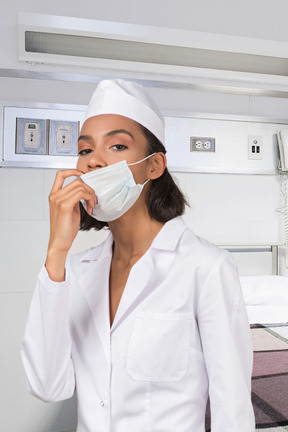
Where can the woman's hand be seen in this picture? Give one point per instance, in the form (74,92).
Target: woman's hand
(65,219)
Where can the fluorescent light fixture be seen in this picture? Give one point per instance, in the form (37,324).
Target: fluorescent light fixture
(141,52)
(146,49)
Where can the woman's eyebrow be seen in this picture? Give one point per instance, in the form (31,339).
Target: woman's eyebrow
(119,131)
(85,138)
(108,134)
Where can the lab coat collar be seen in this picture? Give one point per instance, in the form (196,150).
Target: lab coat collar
(102,251)
(168,237)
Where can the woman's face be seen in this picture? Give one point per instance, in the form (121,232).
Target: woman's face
(107,139)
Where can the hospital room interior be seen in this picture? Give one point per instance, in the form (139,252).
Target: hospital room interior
(219,73)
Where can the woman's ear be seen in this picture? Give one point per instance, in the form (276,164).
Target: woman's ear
(157,165)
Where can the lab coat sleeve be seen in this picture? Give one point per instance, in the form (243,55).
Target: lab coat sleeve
(227,347)
(46,346)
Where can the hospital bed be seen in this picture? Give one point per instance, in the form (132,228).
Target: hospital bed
(266,299)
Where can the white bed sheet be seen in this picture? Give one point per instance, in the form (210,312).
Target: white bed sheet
(266,298)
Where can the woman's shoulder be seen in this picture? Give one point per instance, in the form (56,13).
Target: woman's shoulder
(203,248)
(186,238)
(200,248)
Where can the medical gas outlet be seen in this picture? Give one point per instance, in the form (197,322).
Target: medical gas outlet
(31,136)
(203,144)
(63,137)
(46,137)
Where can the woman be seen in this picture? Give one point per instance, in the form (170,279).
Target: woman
(151,322)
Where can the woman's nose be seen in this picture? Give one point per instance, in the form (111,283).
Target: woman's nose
(95,161)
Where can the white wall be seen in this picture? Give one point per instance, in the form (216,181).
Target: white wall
(224,207)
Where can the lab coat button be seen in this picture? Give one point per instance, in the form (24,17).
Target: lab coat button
(102,403)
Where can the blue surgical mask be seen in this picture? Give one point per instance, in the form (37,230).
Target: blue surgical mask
(115,189)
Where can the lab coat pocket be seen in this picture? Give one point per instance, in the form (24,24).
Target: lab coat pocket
(159,346)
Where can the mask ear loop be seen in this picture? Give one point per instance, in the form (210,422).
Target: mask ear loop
(143,184)
(147,157)
(135,163)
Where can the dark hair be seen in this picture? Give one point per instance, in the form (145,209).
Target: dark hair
(165,200)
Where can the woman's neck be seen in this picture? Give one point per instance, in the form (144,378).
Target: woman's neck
(133,234)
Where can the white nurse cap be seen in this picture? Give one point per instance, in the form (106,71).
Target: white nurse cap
(128,99)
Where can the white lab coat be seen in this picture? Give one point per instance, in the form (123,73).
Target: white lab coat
(180,329)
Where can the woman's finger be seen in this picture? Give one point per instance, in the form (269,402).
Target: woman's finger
(61,176)
(86,193)
(68,198)
(73,185)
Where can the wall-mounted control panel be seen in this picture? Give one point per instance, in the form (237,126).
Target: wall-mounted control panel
(45,135)
(40,136)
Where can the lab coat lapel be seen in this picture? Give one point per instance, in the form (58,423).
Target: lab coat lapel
(95,281)
(95,286)
(135,286)
(142,271)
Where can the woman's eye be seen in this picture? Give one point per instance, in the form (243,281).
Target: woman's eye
(84,152)
(119,147)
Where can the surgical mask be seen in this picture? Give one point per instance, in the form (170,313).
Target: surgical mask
(115,189)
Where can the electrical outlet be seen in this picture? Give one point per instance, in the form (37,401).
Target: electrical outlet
(203,144)
(255,147)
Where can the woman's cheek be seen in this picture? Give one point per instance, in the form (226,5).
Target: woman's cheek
(79,165)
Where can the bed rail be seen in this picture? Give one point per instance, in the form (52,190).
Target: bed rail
(273,248)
